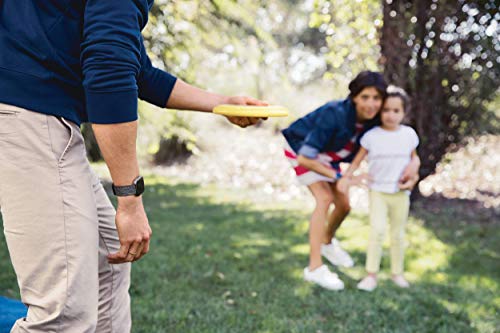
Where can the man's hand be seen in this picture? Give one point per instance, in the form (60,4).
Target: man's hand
(242,100)
(187,97)
(117,143)
(133,230)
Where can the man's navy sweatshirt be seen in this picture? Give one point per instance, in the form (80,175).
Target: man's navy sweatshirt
(83,60)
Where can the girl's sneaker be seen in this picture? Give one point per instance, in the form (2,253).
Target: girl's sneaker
(336,254)
(369,283)
(400,281)
(323,277)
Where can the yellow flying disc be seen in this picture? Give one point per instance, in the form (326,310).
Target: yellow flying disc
(251,111)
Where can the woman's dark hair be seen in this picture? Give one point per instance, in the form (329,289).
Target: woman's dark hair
(393,91)
(367,79)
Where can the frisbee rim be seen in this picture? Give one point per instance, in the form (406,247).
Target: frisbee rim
(259,111)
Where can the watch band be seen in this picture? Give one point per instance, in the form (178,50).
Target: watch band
(136,189)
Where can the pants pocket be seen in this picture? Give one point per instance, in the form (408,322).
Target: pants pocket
(61,136)
(7,120)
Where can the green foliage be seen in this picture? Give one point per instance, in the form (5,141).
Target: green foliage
(188,38)
(165,134)
(302,53)
(259,48)
(182,33)
(350,30)
(266,44)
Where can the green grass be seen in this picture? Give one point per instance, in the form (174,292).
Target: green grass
(223,266)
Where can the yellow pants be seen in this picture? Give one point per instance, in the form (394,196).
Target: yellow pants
(394,207)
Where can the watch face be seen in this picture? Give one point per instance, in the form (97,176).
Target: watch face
(139,186)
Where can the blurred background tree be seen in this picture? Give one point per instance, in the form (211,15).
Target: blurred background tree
(181,36)
(446,54)
(349,29)
(302,53)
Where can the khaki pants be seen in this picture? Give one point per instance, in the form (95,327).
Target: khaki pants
(394,206)
(59,227)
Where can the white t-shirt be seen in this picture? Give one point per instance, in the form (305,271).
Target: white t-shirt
(389,152)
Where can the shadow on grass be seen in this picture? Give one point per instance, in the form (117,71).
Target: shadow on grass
(457,210)
(471,229)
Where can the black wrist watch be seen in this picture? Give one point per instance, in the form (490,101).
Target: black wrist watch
(136,189)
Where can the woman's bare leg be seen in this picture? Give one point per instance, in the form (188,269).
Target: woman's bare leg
(323,196)
(342,209)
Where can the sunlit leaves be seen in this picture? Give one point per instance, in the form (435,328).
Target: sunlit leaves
(351,34)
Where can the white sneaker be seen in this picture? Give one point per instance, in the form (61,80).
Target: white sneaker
(400,281)
(336,254)
(369,283)
(323,277)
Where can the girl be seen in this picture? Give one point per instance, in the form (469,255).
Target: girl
(390,147)
(316,144)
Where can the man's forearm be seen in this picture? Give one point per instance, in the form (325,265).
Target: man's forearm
(187,97)
(118,146)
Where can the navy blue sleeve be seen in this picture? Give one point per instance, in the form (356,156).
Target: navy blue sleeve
(110,56)
(324,127)
(155,85)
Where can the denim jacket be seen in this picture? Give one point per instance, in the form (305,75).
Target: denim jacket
(327,129)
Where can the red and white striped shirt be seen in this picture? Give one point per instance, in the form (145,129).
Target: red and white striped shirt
(330,159)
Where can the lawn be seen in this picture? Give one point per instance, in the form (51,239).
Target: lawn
(224,265)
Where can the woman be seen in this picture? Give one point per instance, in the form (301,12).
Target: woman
(316,144)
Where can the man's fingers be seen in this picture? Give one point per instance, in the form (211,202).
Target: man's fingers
(254,121)
(134,251)
(239,121)
(242,122)
(139,253)
(122,254)
(145,250)
(253,101)
(119,256)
